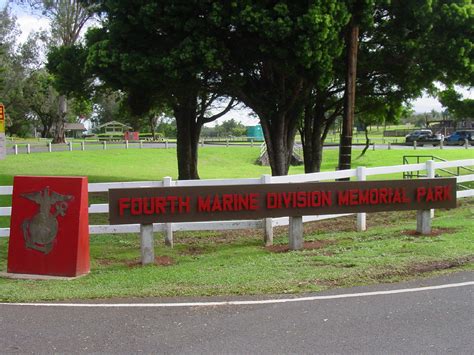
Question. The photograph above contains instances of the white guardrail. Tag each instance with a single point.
(361, 173)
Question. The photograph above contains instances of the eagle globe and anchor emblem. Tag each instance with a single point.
(40, 231)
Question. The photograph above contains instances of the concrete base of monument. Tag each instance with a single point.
(10, 275)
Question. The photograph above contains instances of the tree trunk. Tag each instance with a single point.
(367, 143)
(345, 150)
(59, 132)
(279, 143)
(188, 132)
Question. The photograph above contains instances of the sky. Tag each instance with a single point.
(27, 23)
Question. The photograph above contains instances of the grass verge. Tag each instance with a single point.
(235, 263)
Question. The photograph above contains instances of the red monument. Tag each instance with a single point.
(49, 228)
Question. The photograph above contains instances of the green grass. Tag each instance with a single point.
(213, 263)
(154, 164)
(236, 263)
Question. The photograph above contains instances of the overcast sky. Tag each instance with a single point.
(28, 23)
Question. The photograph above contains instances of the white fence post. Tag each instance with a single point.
(466, 143)
(267, 222)
(251, 142)
(126, 144)
(389, 146)
(295, 233)
(28, 148)
(430, 174)
(414, 145)
(50, 147)
(361, 217)
(168, 226)
(15, 149)
(70, 146)
(146, 244)
(373, 146)
(141, 144)
(83, 145)
(105, 145)
(441, 142)
(166, 144)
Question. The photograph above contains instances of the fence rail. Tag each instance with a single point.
(360, 173)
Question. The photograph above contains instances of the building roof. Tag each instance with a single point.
(113, 123)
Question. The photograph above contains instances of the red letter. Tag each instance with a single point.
(271, 200)
(124, 203)
(343, 198)
(137, 206)
(204, 204)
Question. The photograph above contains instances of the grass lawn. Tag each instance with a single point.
(215, 263)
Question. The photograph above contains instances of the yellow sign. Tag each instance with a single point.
(2, 118)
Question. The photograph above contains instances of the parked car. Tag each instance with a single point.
(434, 139)
(459, 138)
(415, 135)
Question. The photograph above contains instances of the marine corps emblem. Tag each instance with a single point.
(39, 232)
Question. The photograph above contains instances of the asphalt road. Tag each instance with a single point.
(429, 321)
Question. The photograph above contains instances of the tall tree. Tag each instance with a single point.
(67, 18)
(277, 52)
(403, 50)
(160, 52)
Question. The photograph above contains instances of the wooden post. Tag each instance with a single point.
(423, 221)
(389, 146)
(251, 142)
(28, 148)
(295, 231)
(141, 144)
(361, 217)
(227, 143)
(441, 142)
(414, 145)
(168, 226)
(373, 146)
(466, 143)
(166, 144)
(267, 222)
(146, 244)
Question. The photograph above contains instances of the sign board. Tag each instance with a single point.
(49, 227)
(3, 143)
(237, 202)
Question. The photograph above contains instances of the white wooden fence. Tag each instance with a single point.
(361, 173)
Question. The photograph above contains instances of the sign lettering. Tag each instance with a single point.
(206, 203)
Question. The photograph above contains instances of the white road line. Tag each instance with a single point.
(240, 303)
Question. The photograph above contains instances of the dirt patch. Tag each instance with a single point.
(162, 260)
(440, 265)
(435, 232)
(104, 262)
(317, 244)
(420, 268)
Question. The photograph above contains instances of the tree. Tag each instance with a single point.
(160, 53)
(403, 50)
(16, 62)
(457, 107)
(277, 52)
(43, 100)
(67, 18)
